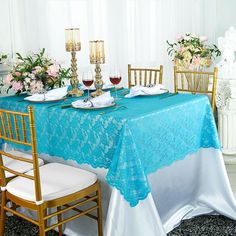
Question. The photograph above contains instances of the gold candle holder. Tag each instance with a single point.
(73, 44)
(97, 57)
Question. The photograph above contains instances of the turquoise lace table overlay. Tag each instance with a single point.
(131, 143)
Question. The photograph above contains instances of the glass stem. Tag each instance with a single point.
(116, 91)
(88, 92)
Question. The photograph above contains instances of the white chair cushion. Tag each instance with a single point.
(16, 165)
(57, 180)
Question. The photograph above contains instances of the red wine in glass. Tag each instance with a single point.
(88, 83)
(115, 79)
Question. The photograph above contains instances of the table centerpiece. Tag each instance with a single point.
(35, 73)
(192, 53)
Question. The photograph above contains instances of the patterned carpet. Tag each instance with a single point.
(16, 226)
(198, 226)
(206, 226)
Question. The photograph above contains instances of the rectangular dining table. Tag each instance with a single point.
(158, 157)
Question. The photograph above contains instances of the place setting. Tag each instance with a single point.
(43, 96)
(105, 98)
(103, 101)
(148, 91)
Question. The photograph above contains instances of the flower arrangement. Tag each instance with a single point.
(35, 73)
(3, 58)
(190, 52)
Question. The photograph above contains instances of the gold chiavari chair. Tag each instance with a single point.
(196, 82)
(14, 164)
(144, 76)
(52, 185)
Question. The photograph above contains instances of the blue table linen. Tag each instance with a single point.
(131, 143)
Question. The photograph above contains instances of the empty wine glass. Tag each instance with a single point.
(87, 80)
(115, 78)
(42, 91)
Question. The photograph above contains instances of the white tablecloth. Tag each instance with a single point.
(194, 186)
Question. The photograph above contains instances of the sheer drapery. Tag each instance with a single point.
(135, 31)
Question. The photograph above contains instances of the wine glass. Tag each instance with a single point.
(87, 80)
(115, 78)
(42, 91)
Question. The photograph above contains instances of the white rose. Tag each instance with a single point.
(32, 76)
(187, 38)
(27, 80)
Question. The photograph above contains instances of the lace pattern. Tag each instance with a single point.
(132, 143)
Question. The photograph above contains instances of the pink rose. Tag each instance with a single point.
(181, 50)
(196, 61)
(179, 38)
(53, 70)
(17, 73)
(17, 85)
(8, 79)
(36, 86)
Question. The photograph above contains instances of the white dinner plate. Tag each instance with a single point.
(162, 91)
(44, 101)
(94, 108)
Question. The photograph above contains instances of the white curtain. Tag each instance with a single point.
(135, 31)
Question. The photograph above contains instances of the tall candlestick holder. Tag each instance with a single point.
(73, 45)
(97, 57)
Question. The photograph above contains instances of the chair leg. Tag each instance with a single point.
(3, 213)
(41, 221)
(99, 212)
(45, 222)
(59, 219)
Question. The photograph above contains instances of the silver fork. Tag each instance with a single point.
(169, 95)
(54, 105)
(145, 92)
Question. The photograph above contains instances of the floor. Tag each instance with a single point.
(16, 226)
(198, 226)
(206, 226)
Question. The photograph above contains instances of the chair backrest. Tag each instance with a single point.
(144, 76)
(19, 128)
(196, 82)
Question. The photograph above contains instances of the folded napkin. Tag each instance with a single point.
(51, 95)
(141, 90)
(101, 101)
